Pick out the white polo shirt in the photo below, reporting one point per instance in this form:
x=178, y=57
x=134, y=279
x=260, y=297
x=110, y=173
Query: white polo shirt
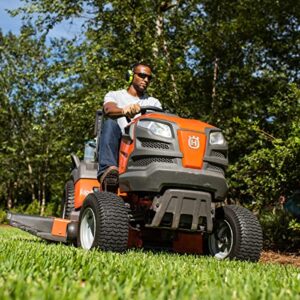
x=122, y=98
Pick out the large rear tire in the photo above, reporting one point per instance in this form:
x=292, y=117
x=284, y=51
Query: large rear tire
x=237, y=234
x=68, y=200
x=103, y=223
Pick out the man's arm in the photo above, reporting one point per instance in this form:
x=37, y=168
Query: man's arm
x=113, y=111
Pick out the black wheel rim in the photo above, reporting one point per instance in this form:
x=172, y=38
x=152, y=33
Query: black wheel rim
x=221, y=240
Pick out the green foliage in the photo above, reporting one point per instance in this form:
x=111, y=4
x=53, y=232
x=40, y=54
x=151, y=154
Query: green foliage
x=295, y=226
x=53, y=209
x=3, y=219
x=281, y=230
x=33, y=269
x=33, y=208
x=272, y=166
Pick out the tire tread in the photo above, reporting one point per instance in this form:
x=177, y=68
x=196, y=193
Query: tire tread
x=112, y=225
x=68, y=204
x=250, y=243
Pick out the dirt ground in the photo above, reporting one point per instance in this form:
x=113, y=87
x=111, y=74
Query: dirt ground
x=280, y=258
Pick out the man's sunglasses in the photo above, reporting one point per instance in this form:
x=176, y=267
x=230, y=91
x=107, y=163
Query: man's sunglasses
x=143, y=76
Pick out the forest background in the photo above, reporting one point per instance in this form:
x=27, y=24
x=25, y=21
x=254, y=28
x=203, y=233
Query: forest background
x=234, y=64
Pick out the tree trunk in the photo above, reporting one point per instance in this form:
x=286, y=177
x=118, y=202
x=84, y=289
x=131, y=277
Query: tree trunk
x=43, y=183
x=164, y=6
x=29, y=167
x=43, y=195
x=10, y=202
x=214, y=89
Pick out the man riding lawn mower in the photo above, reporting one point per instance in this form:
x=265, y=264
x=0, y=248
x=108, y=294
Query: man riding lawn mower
x=168, y=194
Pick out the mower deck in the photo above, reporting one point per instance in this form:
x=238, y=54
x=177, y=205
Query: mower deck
x=49, y=228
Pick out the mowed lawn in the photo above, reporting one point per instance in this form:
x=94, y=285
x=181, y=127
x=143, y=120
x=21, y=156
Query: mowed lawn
x=33, y=269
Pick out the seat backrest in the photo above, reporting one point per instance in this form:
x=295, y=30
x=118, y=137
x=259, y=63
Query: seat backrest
x=97, y=131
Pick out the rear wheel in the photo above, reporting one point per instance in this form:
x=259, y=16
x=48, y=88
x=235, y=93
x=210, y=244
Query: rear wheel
x=68, y=200
x=103, y=223
x=237, y=234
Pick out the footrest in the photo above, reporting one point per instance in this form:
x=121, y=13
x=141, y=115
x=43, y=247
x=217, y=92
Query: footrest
x=111, y=183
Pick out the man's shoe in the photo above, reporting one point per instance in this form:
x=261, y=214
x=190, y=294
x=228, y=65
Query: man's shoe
x=109, y=180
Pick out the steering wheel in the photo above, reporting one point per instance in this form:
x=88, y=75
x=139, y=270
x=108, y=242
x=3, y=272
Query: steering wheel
x=144, y=109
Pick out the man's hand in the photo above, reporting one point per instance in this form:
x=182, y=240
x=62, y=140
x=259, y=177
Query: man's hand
x=131, y=110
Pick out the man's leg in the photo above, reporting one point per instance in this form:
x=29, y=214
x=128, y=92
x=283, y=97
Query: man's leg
x=109, y=155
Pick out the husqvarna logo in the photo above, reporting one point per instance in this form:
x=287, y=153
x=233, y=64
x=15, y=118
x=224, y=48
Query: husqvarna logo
x=193, y=142
x=84, y=192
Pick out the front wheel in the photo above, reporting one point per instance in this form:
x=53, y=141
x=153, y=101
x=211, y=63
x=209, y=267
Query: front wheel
x=103, y=223
x=237, y=234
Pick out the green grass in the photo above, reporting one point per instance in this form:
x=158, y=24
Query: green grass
x=33, y=269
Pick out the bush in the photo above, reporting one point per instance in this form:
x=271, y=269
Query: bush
x=267, y=154
x=33, y=208
x=3, y=219
x=281, y=231
x=53, y=209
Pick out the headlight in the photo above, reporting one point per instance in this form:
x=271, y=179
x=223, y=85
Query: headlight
x=216, y=138
x=157, y=128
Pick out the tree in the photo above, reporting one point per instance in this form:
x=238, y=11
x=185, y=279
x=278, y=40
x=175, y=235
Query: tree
x=234, y=64
x=29, y=85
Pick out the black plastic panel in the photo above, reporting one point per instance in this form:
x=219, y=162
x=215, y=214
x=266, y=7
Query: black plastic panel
x=178, y=204
x=156, y=178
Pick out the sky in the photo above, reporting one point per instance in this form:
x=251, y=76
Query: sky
x=13, y=24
